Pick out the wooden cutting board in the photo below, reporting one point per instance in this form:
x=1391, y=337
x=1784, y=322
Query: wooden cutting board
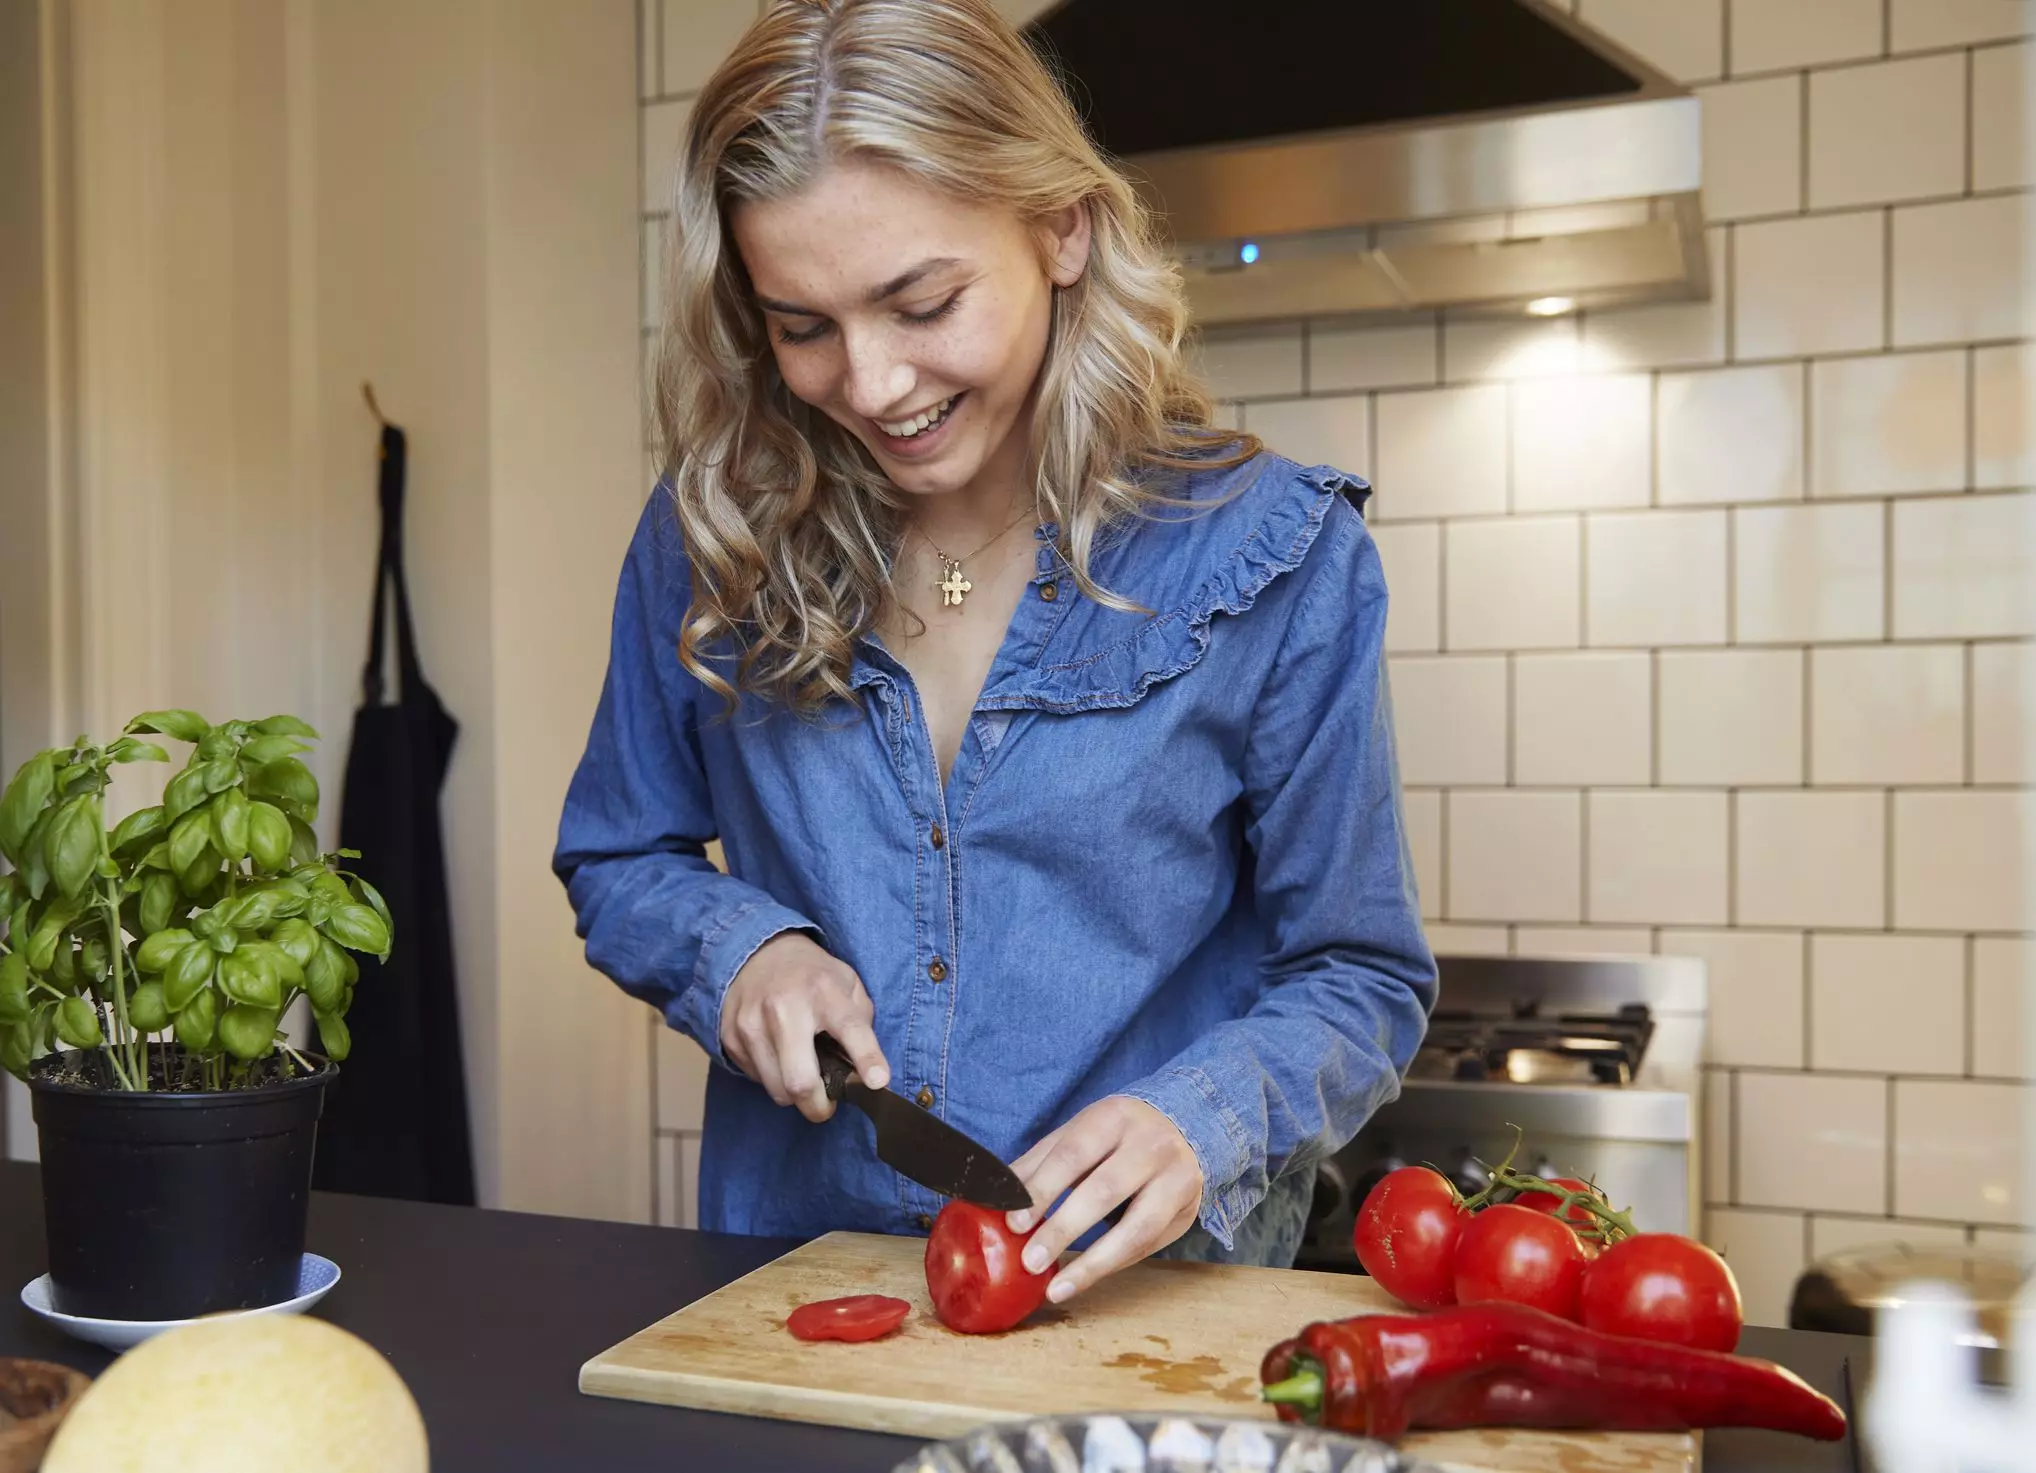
x=1160, y=1337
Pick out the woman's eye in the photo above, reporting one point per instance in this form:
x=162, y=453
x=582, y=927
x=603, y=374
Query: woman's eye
x=937, y=313
x=803, y=335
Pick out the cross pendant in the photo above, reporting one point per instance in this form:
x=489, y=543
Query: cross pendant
x=953, y=586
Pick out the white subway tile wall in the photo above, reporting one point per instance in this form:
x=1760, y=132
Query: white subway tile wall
x=1718, y=641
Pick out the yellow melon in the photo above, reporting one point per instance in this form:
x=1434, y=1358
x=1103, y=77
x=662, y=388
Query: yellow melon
x=245, y=1395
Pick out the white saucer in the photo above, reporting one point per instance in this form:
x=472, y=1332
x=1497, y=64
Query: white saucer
x=315, y=1278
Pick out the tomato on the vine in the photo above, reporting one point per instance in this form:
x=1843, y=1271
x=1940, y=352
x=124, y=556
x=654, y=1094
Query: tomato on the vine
x=1522, y=1257
x=1575, y=1214
x=1659, y=1286
x=857, y=1317
x=975, y=1273
x=1406, y=1236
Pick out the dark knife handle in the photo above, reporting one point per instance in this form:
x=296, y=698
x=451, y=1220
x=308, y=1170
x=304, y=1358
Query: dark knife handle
x=836, y=1071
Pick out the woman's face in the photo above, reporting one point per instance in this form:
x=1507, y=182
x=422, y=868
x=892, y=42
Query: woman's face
x=913, y=320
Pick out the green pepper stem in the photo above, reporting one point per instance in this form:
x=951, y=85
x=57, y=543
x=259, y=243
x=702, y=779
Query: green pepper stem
x=1302, y=1390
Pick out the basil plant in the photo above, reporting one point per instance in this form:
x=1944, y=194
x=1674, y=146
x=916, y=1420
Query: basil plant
x=200, y=919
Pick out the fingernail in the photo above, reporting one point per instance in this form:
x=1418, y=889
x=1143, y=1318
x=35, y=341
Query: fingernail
x=1035, y=1260
x=1060, y=1291
x=879, y=1078
x=1020, y=1221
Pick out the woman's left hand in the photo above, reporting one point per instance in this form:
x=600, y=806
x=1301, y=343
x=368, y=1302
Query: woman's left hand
x=1118, y=1150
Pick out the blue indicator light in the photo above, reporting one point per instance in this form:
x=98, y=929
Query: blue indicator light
x=1247, y=253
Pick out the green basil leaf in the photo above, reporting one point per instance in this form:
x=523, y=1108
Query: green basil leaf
x=73, y=844
x=147, y=1010
x=158, y=857
x=303, y=842
x=248, y=977
x=185, y=792
x=190, y=838
x=218, y=743
x=199, y=873
x=333, y=1034
x=268, y=835
x=248, y=1032
x=34, y=857
x=364, y=891
x=189, y=972
x=33, y=785
x=77, y=1024
x=256, y=910
x=358, y=928
x=185, y=726
x=63, y=967
x=221, y=775
x=230, y=820
x=93, y=960
x=161, y=949
x=266, y=749
x=224, y=940
x=198, y=1020
x=323, y=978
x=42, y=941
x=127, y=749
x=158, y=902
x=298, y=940
x=14, y=1050
x=289, y=779
x=14, y=988
x=285, y=726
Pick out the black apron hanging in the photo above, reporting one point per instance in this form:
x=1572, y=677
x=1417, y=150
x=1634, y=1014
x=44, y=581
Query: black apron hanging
x=396, y=1124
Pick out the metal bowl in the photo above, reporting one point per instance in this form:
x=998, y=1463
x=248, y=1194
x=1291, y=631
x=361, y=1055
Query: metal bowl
x=1143, y=1443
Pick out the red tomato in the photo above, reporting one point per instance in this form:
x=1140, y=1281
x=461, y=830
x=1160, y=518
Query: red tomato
x=1406, y=1236
x=978, y=1282
x=1575, y=1215
x=1522, y=1257
x=858, y=1317
x=1658, y=1286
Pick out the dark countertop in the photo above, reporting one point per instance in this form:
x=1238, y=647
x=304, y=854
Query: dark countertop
x=489, y=1315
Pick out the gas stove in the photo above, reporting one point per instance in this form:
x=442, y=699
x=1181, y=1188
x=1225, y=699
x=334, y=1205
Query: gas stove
x=1595, y=1060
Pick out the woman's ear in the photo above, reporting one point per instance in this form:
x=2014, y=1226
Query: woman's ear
x=1065, y=236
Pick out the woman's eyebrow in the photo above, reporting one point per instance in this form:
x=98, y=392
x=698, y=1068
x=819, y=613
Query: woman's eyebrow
x=904, y=281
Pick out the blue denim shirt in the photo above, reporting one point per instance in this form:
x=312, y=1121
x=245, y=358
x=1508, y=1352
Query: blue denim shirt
x=1169, y=861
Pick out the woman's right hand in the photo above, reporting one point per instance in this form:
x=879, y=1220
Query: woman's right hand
x=789, y=990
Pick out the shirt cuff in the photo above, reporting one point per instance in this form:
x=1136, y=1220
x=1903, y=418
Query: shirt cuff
x=697, y=1010
x=1233, y=1171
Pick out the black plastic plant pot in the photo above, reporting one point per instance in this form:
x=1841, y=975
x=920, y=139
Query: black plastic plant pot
x=170, y=1204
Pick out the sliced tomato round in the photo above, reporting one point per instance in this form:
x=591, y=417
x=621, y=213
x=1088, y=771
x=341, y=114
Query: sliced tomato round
x=857, y=1317
x=975, y=1272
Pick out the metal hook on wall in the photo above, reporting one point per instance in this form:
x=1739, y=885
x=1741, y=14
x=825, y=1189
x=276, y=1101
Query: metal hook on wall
x=368, y=393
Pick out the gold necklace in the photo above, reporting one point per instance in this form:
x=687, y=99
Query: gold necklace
x=953, y=586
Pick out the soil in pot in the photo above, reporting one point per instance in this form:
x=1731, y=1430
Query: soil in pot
x=178, y=1201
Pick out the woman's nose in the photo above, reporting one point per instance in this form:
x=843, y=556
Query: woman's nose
x=879, y=381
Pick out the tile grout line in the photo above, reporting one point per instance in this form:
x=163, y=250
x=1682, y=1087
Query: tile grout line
x=1887, y=278
x=1725, y=41
x=1888, y=1165
x=1809, y=1000
x=1803, y=142
x=1583, y=856
x=1887, y=27
x=1860, y=63
x=1732, y=1138
x=1727, y=308
x=1971, y=1004
x=1731, y=857
x=1809, y=713
x=1731, y=578
x=1969, y=714
x=1808, y=447
x=1970, y=106
x=1654, y=728
x=1512, y=726
x=1888, y=861
x=1887, y=571
x=1442, y=857
x=1971, y=418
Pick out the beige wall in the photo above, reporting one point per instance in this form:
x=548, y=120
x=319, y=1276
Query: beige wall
x=274, y=202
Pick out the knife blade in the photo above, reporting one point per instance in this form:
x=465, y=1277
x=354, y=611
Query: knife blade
x=918, y=1144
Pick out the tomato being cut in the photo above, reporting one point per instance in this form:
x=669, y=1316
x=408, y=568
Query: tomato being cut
x=974, y=1272
x=1522, y=1257
x=1406, y=1236
x=1658, y=1286
x=858, y=1317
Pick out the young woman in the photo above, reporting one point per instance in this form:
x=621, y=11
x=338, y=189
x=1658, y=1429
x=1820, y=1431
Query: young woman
x=1044, y=726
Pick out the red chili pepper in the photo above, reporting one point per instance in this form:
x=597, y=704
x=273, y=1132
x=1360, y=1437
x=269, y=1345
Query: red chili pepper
x=1504, y=1365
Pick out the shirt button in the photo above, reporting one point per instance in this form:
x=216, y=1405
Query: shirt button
x=925, y=1223
x=1049, y=591
x=937, y=970
x=939, y=838
x=925, y=1098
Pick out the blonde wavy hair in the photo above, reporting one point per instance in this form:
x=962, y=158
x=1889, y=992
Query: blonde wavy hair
x=790, y=525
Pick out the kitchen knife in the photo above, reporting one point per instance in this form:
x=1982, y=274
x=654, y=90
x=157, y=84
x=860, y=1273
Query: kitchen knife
x=919, y=1144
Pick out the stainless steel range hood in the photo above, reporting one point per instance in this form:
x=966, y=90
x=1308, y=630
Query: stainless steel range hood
x=1384, y=156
